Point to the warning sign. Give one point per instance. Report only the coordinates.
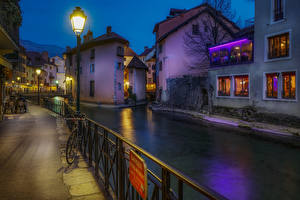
(138, 174)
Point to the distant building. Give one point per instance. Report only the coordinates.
(263, 75)
(101, 72)
(172, 59)
(42, 61)
(60, 73)
(149, 58)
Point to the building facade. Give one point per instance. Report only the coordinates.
(60, 73)
(173, 59)
(269, 83)
(149, 59)
(10, 21)
(101, 71)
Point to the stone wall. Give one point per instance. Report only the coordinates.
(187, 92)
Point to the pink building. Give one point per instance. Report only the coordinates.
(172, 59)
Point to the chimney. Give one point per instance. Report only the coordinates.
(108, 30)
(145, 48)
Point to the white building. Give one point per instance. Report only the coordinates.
(60, 73)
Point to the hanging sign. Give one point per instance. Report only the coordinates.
(138, 174)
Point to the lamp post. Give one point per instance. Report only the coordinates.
(38, 72)
(78, 19)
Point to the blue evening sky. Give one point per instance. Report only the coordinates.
(47, 22)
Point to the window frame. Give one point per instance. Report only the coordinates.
(280, 86)
(266, 53)
(234, 88)
(218, 86)
(92, 71)
(195, 29)
(92, 93)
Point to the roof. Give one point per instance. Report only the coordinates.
(129, 52)
(247, 32)
(166, 27)
(136, 63)
(146, 51)
(102, 39)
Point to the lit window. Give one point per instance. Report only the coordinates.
(247, 52)
(224, 86)
(241, 86)
(289, 85)
(272, 85)
(224, 56)
(235, 56)
(279, 46)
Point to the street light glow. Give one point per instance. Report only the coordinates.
(18, 78)
(38, 71)
(78, 19)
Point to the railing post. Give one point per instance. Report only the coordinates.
(120, 169)
(106, 154)
(90, 148)
(96, 150)
(165, 184)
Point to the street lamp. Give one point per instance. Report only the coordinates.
(38, 72)
(56, 85)
(78, 19)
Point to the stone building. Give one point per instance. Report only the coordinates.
(101, 71)
(10, 21)
(173, 58)
(269, 82)
(60, 73)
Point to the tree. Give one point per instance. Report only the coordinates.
(210, 32)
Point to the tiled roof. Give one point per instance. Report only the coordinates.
(146, 51)
(102, 39)
(164, 28)
(129, 52)
(137, 63)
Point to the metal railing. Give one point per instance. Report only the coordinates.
(108, 153)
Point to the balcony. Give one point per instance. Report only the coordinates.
(232, 53)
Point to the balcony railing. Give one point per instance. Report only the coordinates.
(108, 153)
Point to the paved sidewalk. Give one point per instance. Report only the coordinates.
(32, 163)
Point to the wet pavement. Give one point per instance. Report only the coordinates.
(29, 157)
(32, 160)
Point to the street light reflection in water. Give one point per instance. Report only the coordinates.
(127, 125)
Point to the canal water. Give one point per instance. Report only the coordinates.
(231, 162)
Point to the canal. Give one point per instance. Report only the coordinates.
(236, 165)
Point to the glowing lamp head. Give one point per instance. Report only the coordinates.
(18, 78)
(56, 81)
(38, 71)
(78, 19)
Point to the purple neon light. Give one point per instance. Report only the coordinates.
(229, 44)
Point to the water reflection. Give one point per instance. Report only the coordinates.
(238, 166)
(127, 125)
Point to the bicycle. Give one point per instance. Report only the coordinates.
(74, 140)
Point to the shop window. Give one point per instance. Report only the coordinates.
(224, 56)
(279, 46)
(241, 86)
(272, 85)
(224, 86)
(215, 58)
(289, 85)
(247, 50)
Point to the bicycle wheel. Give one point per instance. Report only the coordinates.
(71, 151)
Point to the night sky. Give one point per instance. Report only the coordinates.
(47, 22)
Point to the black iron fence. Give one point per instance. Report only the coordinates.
(108, 153)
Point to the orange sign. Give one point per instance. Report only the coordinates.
(138, 174)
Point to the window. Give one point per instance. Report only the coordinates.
(160, 66)
(92, 88)
(195, 29)
(278, 10)
(289, 85)
(224, 56)
(120, 51)
(149, 80)
(154, 77)
(119, 86)
(272, 85)
(279, 46)
(92, 68)
(241, 86)
(92, 53)
(119, 65)
(153, 67)
(224, 86)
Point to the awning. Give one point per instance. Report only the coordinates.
(4, 62)
(6, 41)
